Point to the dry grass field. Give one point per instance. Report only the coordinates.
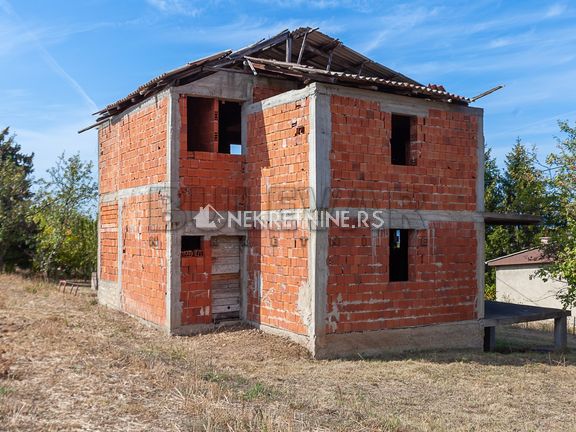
(68, 364)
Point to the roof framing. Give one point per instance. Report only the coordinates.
(304, 54)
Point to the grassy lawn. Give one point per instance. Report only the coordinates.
(67, 363)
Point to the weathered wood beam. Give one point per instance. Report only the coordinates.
(329, 65)
(289, 49)
(302, 48)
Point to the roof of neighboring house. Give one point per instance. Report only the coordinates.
(526, 257)
(304, 54)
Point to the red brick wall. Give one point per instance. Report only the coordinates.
(109, 242)
(277, 178)
(441, 287)
(277, 157)
(108, 167)
(195, 287)
(133, 153)
(133, 150)
(144, 257)
(209, 177)
(278, 269)
(444, 177)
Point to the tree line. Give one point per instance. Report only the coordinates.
(527, 186)
(47, 226)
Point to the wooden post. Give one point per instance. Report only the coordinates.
(489, 339)
(289, 50)
(302, 48)
(560, 334)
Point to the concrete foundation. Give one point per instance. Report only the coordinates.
(461, 335)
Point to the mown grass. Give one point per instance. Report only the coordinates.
(69, 364)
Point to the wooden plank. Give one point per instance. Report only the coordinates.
(221, 309)
(225, 292)
(222, 268)
(226, 276)
(228, 301)
(225, 287)
(225, 246)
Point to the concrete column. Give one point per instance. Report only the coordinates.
(560, 334)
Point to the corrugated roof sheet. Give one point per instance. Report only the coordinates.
(433, 91)
(532, 256)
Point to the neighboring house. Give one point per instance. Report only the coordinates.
(295, 123)
(516, 280)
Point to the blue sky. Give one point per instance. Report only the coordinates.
(63, 60)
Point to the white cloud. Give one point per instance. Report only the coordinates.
(176, 7)
(47, 144)
(19, 34)
(356, 5)
(556, 10)
(401, 21)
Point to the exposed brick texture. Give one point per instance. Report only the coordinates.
(209, 177)
(144, 257)
(444, 149)
(441, 286)
(278, 263)
(212, 178)
(195, 287)
(273, 174)
(277, 157)
(133, 149)
(109, 242)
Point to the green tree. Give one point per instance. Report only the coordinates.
(492, 183)
(67, 239)
(492, 202)
(15, 195)
(562, 247)
(524, 190)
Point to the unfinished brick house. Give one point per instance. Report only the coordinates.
(295, 122)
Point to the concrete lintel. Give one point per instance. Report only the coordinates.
(314, 220)
(221, 85)
(402, 104)
(281, 99)
(135, 191)
(411, 219)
